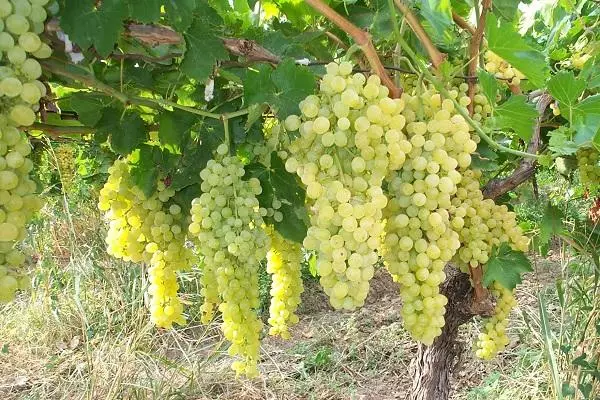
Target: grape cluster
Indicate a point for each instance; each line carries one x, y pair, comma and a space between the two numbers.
284, 263
420, 240
494, 338
65, 159
147, 229
496, 65
588, 161
482, 224
21, 22
350, 137
227, 224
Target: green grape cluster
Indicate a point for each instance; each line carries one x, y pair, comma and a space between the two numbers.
284, 264
494, 337
501, 69
147, 229
65, 159
227, 224
588, 161
482, 224
21, 22
420, 240
349, 138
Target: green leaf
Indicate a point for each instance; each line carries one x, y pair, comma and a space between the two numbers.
282, 88
565, 88
294, 83
126, 131
586, 120
258, 87
174, 129
146, 11
180, 13
505, 266
279, 184
312, 265
561, 142
489, 85
439, 15
485, 157
87, 105
508, 44
591, 73
551, 224
88, 25
518, 115
204, 46
142, 169
507, 9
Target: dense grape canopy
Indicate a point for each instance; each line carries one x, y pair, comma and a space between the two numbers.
240, 146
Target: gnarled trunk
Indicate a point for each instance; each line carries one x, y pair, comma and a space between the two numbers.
433, 365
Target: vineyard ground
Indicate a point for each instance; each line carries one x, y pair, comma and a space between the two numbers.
359, 355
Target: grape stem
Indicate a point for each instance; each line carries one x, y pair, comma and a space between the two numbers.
362, 38
474, 48
76, 74
460, 109
435, 55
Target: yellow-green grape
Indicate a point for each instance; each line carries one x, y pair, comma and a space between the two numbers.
65, 159
228, 227
18, 204
555, 108
588, 160
419, 238
148, 229
481, 224
493, 339
350, 137
166, 308
494, 64
284, 264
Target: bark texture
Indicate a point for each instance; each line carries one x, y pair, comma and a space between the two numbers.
433, 365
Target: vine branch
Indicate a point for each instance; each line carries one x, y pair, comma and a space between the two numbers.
461, 22
435, 55
526, 168
362, 39
474, 47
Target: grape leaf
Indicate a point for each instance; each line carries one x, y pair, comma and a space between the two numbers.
142, 169
258, 87
551, 224
126, 131
561, 142
439, 15
508, 44
174, 129
505, 266
88, 25
506, 9
277, 183
591, 73
294, 83
146, 11
282, 88
180, 13
489, 85
586, 119
516, 114
565, 88
87, 105
204, 47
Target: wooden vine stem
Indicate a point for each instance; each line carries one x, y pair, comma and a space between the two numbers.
362, 39
434, 54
